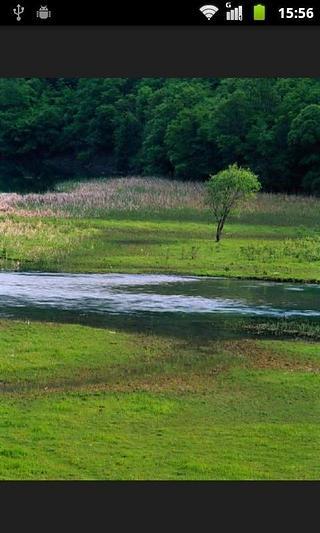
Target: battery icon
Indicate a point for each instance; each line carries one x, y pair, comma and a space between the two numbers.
259, 12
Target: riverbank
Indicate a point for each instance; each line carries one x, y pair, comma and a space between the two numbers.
145, 225
159, 245
119, 405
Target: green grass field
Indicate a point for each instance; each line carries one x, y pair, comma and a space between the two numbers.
161, 246
141, 225
83, 403
127, 406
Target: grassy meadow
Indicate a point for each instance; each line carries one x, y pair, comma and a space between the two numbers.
120, 405
79, 402
136, 225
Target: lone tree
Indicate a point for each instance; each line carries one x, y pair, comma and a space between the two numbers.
227, 190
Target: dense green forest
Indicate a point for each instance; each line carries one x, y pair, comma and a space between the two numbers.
52, 129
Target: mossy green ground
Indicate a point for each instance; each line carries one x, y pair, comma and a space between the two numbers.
163, 246
117, 405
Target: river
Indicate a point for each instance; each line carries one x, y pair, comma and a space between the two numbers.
170, 304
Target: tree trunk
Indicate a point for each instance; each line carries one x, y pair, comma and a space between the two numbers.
219, 229
218, 234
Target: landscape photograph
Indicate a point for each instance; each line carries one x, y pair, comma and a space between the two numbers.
159, 279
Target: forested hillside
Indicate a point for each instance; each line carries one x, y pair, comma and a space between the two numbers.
52, 129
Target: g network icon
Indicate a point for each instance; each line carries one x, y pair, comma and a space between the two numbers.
234, 14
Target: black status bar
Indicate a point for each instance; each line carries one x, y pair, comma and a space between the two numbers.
188, 13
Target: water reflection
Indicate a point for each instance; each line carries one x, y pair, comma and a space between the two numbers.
150, 301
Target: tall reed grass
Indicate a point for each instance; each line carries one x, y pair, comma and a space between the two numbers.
97, 197
106, 196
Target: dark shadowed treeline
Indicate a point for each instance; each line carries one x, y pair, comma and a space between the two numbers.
52, 129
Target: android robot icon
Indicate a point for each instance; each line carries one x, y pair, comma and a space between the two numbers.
43, 13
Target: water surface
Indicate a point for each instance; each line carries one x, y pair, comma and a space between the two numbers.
159, 302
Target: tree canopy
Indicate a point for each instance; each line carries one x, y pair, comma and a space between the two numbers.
227, 189
51, 129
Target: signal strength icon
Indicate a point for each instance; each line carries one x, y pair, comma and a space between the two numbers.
209, 11
235, 14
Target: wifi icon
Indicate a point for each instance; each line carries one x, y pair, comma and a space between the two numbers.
209, 11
